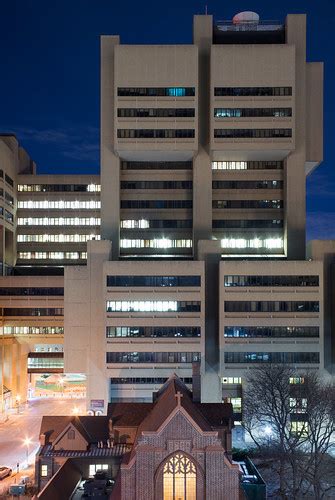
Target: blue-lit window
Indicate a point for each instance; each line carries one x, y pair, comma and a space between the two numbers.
176, 91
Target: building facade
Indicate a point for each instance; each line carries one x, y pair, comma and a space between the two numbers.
200, 208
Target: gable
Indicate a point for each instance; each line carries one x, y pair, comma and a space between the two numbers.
182, 428
70, 439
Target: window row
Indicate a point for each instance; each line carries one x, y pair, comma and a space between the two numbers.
50, 311
248, 223
155, 91
247, 203
152, 331
271, 306
251, 112
34, 363
155, 243
252, 133
31, 291
252, 243
156, 165
272, 357
252, 91
59, 204
33, 330
146, 133
152, 357
156, 184
156, 204
156, 223
152, 306
155, 112
247, 165
280, 280
154, 281
145, 380
58, 221
271, 331
247, 184
56, 238
51, 188
52, 255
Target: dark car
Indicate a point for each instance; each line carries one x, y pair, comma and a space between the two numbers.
4, 472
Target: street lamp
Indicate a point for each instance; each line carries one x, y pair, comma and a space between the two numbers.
27, 441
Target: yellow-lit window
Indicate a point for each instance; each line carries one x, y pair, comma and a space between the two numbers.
179, 478
44, 470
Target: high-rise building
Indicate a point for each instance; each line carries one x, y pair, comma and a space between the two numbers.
201, 268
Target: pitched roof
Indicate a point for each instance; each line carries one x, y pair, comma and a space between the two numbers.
92, 428
128, 414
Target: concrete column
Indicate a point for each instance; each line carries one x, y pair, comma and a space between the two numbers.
110, 162
294, 169
202, 172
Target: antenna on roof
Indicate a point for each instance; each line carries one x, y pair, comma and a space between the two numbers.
206, 10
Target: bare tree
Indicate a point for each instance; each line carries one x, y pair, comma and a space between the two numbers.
294, 424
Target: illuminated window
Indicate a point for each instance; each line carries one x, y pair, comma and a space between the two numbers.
299, 427
155, 243
297, 380
93, 468
57, 238
44, 470
58, 221
59, 205
179, 478
232, 380
268, 243
152, 306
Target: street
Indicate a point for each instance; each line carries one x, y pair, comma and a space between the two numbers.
25, 426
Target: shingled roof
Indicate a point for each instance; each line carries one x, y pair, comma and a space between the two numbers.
92, 428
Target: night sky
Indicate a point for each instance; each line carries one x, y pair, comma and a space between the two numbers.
49, 74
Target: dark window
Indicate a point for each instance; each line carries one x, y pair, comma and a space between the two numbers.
9, 199
156, 91
152, 331
152, 357
125, 133
9, 217
153, 281
31, 291
272, 184
237, 280
146, 380
155, 112
271, 306
156, 165
156, 184
270, 331
157, 204
253, 133
251, 112
9, 180
271, 357
252, 91
247, 204
252, 223
58, 311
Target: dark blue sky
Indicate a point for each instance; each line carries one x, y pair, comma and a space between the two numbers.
49, 67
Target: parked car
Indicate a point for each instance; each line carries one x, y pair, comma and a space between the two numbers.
4, 472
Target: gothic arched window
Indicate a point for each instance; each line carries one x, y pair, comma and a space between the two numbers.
179, 478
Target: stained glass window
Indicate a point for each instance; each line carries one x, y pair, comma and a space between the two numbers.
179, 480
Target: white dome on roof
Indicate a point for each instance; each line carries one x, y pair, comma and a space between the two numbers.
246, 17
